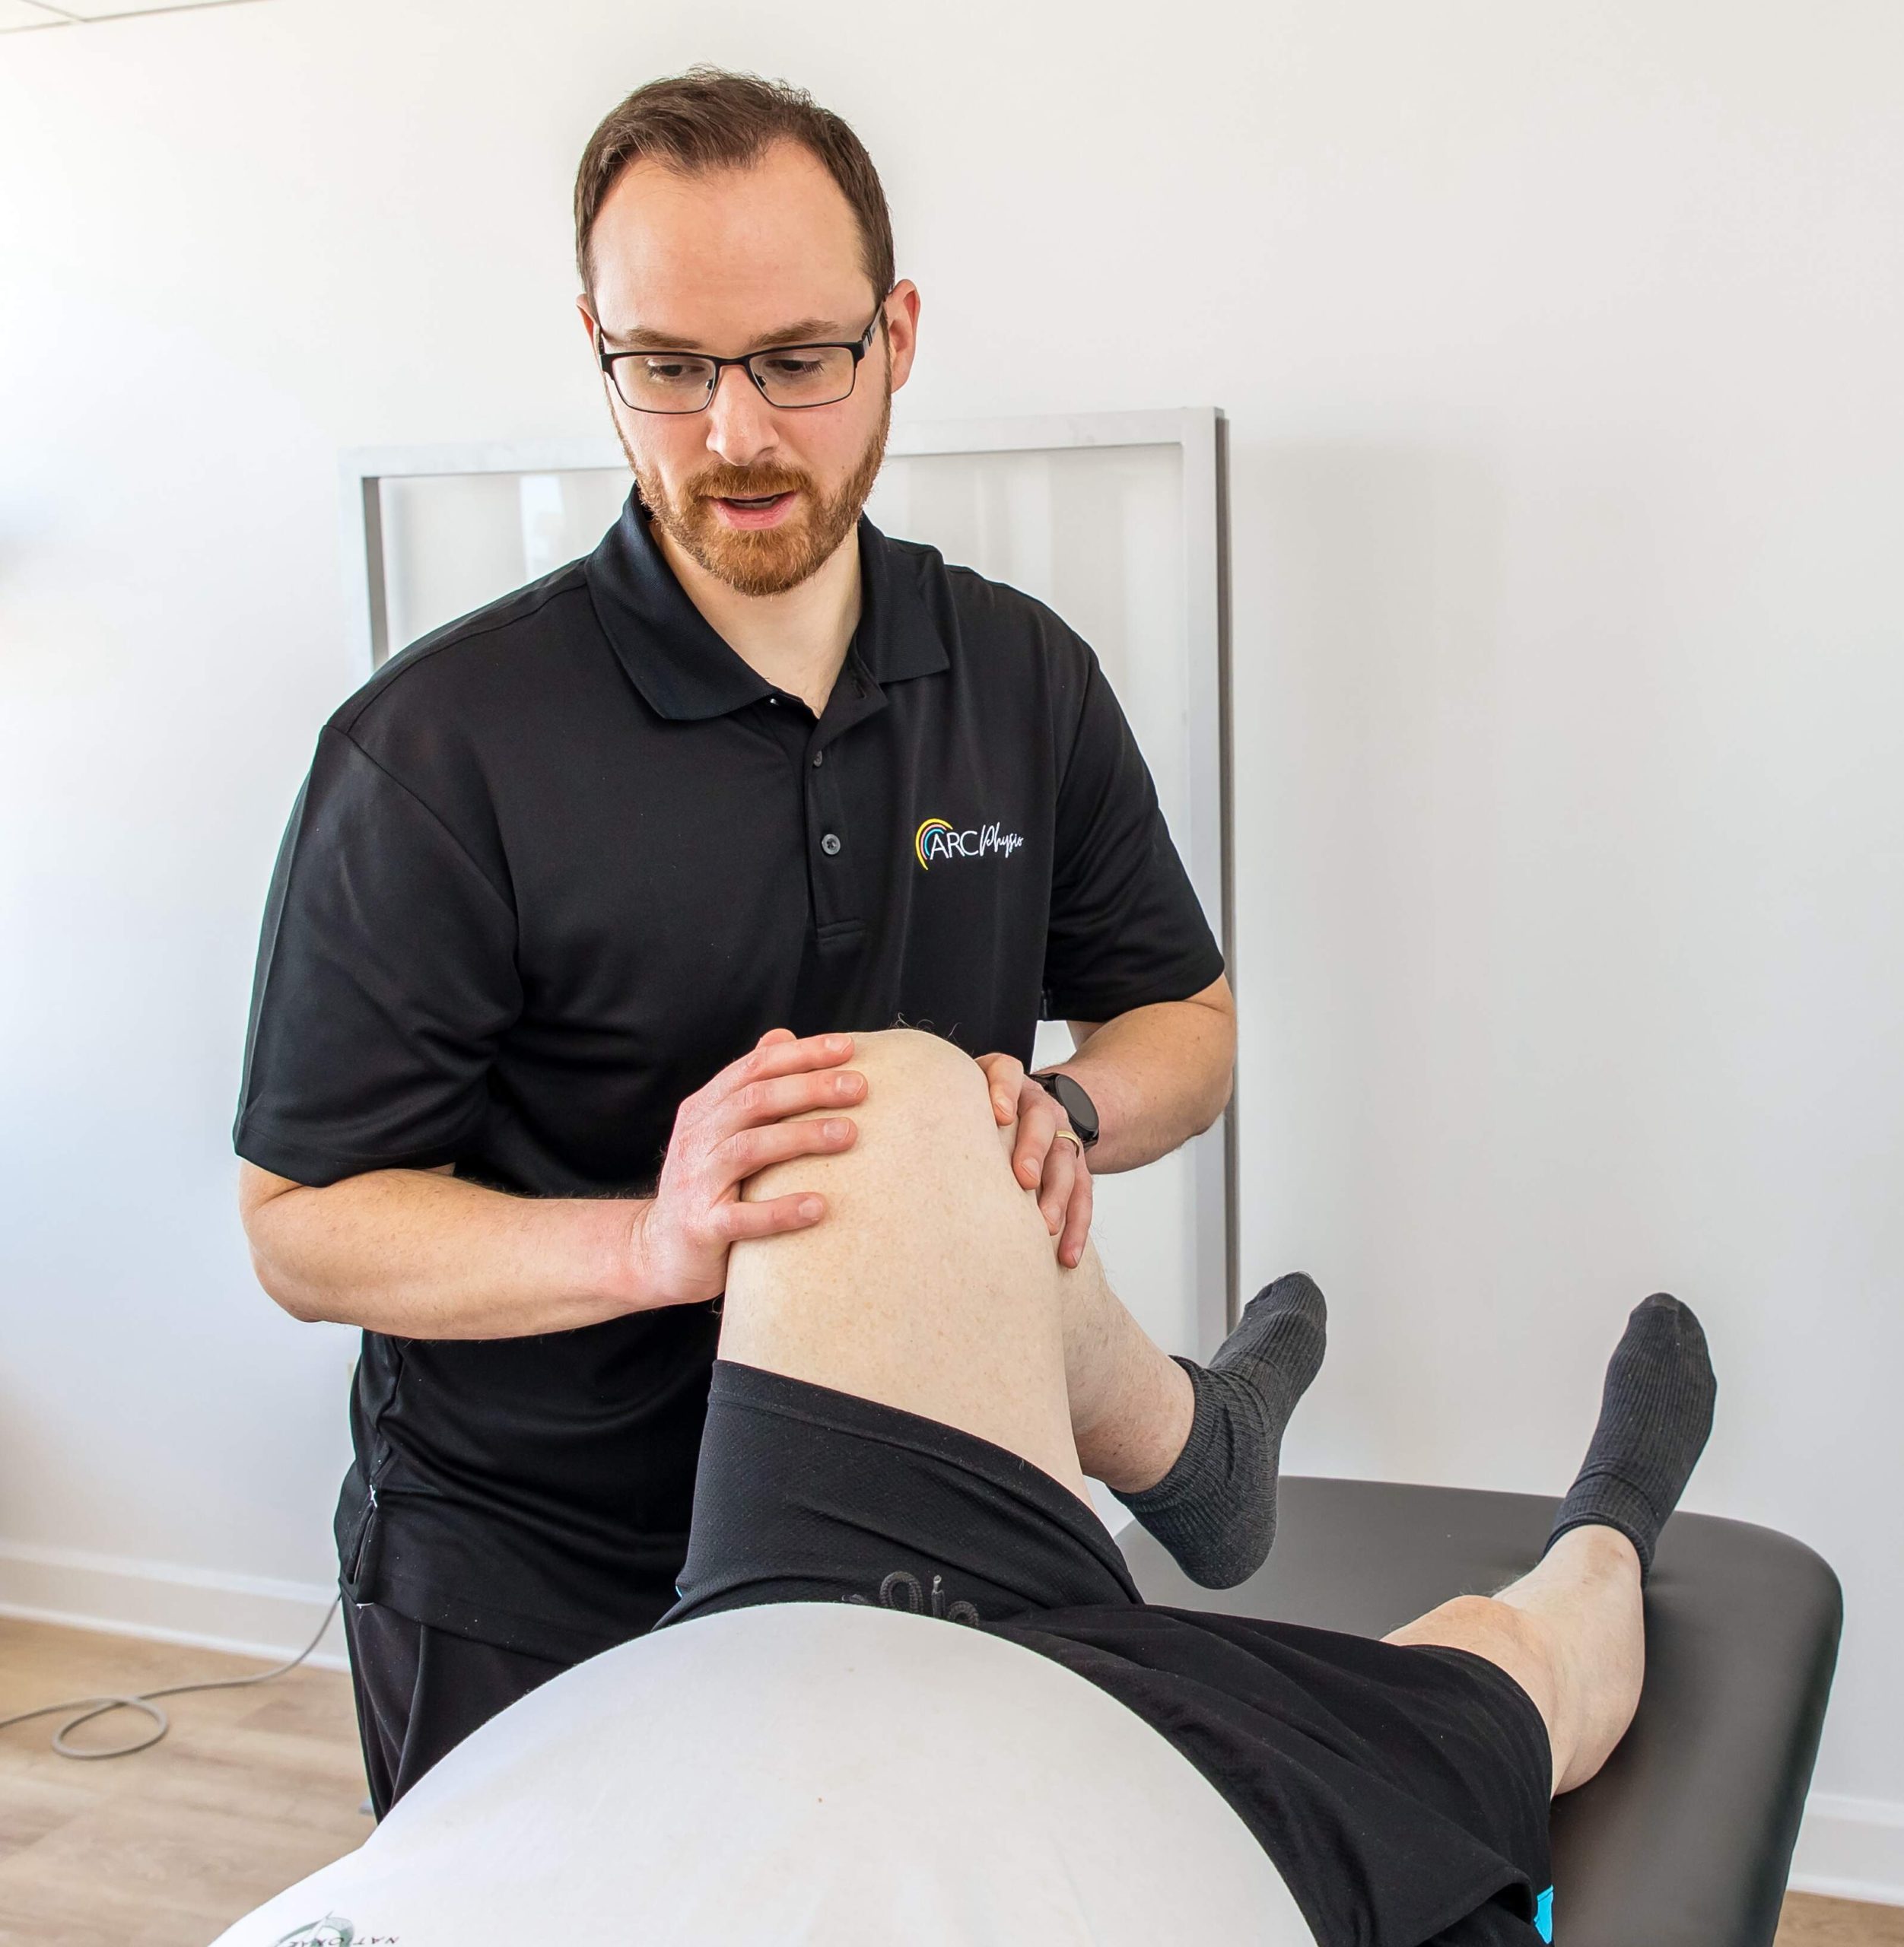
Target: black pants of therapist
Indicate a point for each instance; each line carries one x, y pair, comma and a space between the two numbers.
421, 1692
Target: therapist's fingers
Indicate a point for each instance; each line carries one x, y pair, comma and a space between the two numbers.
779, 1051
1004, 1080
736, 1220
1061, 1162
779, 1078
1039, 1120
1077, 1213
751, 1149
753, 1104
697, 1211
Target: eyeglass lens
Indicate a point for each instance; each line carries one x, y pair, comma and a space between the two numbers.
674, 382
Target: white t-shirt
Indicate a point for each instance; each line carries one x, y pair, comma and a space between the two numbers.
806, 1772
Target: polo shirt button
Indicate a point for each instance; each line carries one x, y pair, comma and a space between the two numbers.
819, 758
829, 845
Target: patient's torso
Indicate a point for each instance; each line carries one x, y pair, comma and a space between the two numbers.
803, 1772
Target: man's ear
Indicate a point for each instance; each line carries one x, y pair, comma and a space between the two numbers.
588, 325
903, 331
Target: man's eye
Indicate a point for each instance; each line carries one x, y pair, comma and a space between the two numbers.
787, 365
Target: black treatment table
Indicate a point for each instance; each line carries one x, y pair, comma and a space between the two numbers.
1685, 1839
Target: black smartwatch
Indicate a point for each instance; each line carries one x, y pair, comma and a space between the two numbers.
1072, 1099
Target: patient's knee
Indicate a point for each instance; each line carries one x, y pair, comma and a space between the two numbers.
1509, 1638
912, 1054
926, 1119
918, 1084
926, 1167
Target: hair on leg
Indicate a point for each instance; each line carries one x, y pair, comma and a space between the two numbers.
931, 1284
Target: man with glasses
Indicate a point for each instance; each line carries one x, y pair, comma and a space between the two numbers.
586, 892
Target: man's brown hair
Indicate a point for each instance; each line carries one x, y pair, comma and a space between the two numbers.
709, 118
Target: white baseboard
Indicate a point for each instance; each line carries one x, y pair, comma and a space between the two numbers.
249, 1615
1850, 1849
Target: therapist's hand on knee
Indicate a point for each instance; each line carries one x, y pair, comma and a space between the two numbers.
725, 1132
1047, 1158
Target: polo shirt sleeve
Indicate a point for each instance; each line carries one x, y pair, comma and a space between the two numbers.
386, 976
1126, 928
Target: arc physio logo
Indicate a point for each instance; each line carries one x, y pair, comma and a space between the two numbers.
935, 839
333, 1931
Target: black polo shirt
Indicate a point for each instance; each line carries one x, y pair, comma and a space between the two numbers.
557, 864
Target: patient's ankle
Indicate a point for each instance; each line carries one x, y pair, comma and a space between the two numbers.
1215, 1510
1595, 1552
1132, 1450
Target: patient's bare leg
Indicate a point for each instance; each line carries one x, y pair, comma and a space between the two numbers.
1130, 1405
1570, 1632
932, 1286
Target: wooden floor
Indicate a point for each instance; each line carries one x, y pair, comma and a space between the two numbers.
253, 1788
1812, 1923
250, 1790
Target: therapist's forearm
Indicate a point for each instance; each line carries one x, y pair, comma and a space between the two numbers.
419, 1255
1157, 1076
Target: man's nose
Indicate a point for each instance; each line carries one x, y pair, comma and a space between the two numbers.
740, 423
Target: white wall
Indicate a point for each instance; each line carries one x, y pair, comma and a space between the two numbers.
1560, 347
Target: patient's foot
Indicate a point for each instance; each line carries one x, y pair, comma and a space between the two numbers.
1654, 1415
1215, 1511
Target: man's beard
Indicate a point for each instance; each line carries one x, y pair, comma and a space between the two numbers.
762, 560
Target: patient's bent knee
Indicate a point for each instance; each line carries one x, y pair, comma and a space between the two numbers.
913, 1054
920, 1082
926, 1112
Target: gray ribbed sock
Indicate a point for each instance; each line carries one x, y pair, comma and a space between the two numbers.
1655, 1412
1215, 1509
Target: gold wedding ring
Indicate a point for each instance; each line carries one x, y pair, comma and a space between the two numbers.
1071, 1136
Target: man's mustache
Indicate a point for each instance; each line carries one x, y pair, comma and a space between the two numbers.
736, 485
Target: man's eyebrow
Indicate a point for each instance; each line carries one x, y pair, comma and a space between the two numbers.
802, 331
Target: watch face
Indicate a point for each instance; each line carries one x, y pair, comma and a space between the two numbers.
1078, 1106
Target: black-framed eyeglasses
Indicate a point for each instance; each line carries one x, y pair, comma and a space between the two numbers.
791, 376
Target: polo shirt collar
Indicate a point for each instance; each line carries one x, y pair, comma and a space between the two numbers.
687, 671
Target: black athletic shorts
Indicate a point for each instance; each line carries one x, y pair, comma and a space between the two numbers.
1402, 1793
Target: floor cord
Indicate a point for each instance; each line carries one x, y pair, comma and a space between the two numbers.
86, 1708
